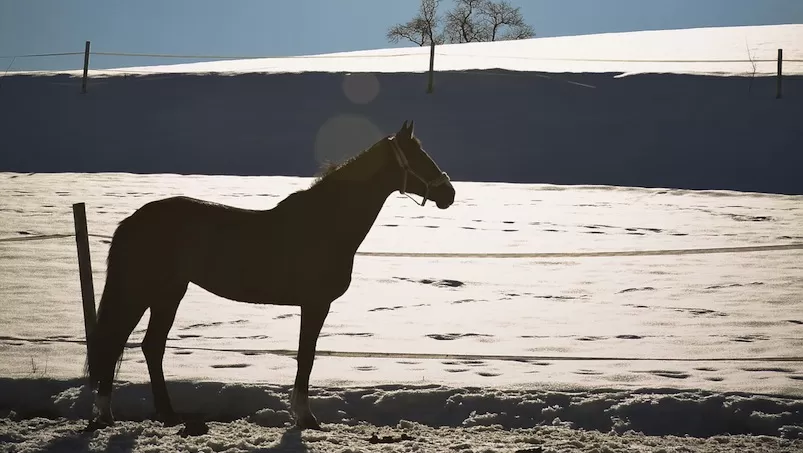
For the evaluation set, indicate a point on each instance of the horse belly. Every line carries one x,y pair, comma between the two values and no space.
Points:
279,283
243,280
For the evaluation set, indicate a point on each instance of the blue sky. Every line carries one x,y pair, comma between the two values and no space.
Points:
296,27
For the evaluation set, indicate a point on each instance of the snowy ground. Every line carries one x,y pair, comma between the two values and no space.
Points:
436,420
48,435
562,351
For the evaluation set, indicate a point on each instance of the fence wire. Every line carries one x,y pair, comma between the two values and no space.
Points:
344,55
401,54
350,55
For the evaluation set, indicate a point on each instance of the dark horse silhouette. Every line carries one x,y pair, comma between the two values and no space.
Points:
299,253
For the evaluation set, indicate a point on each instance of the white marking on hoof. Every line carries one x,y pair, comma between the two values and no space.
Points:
103,410
299,407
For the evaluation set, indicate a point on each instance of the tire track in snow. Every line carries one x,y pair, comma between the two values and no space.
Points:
502,357
659,252
435,356
663,252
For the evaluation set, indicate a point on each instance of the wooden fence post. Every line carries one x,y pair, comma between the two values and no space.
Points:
779,87
431,66
85,268
86,67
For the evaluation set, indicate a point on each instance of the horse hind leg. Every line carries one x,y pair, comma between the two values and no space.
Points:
163,313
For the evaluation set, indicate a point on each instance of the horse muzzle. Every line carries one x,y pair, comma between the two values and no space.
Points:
443,195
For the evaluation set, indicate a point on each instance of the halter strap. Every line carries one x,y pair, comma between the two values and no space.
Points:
401,159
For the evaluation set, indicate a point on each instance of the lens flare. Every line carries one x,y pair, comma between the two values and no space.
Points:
344,136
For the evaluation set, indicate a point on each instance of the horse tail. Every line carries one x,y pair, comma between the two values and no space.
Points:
111,307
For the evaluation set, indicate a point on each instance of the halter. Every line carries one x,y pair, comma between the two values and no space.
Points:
405,166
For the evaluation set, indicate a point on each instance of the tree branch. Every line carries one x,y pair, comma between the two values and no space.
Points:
502,14
462,23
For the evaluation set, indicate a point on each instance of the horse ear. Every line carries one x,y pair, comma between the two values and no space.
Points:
406,130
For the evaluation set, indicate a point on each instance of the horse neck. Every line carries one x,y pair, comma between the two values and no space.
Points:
353,206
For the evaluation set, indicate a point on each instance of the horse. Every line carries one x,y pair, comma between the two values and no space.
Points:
298,253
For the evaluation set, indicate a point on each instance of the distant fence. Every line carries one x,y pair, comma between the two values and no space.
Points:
430,80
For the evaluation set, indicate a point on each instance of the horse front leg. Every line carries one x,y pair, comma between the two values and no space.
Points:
312,319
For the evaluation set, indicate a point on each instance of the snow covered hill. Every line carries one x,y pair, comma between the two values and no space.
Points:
543,117
721,50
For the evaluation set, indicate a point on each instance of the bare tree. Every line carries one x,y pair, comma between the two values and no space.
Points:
503,17
461,24
421,29
468,21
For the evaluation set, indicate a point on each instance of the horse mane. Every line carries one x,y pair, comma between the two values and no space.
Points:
328,168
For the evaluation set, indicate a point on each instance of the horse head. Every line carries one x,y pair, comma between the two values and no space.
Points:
419,173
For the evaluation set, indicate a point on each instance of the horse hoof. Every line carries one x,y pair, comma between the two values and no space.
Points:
96,424
193,428
308,422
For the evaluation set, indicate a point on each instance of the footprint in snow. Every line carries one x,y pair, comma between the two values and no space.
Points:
473,362
286,315
588,372
670,374
769,369
454,336
443,283
750,338
464,301
590,338
386,308
630,290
